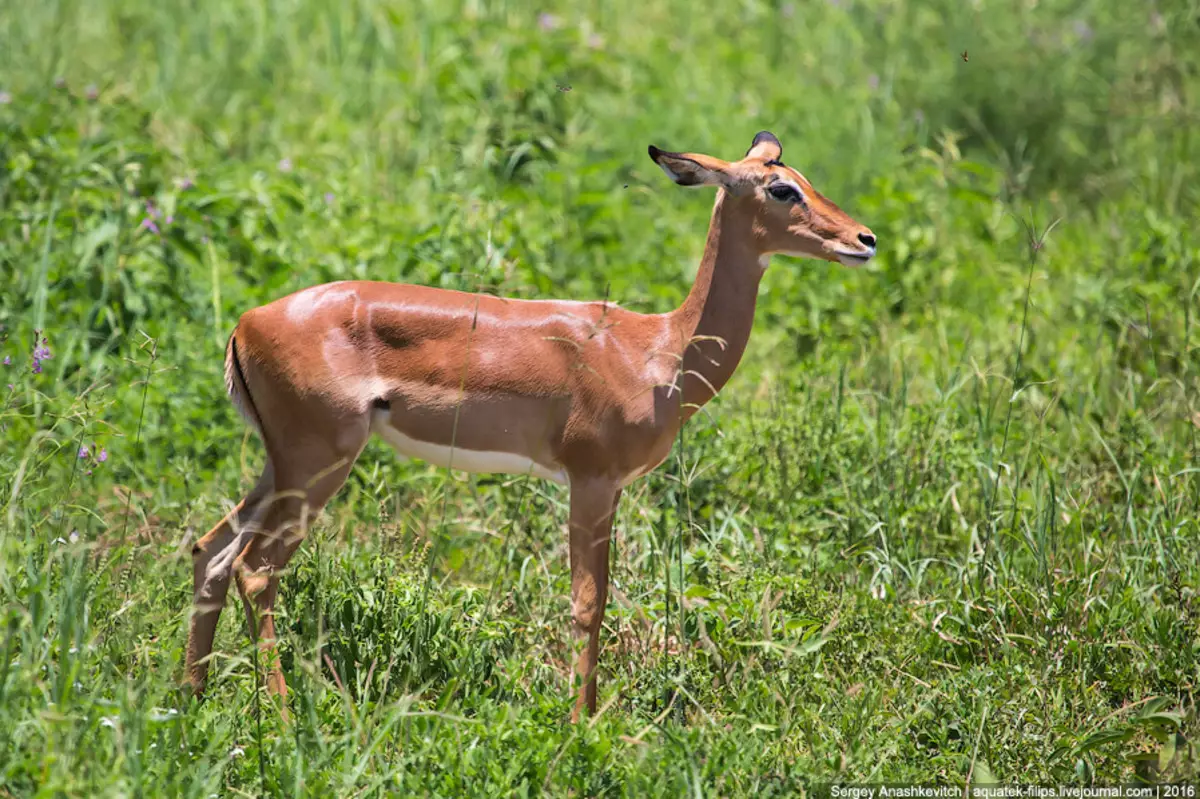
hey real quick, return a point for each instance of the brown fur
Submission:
(587, 389)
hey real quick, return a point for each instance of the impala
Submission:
(586, 394)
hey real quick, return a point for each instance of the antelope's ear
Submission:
(692, 169)
(766, 147)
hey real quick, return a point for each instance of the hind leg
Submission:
(212, 566)
(312, 475)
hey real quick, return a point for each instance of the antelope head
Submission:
(789, 216)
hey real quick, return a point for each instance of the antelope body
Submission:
(586, 394)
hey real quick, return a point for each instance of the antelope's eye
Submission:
(784, 192)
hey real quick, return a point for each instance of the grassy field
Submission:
(941, 526)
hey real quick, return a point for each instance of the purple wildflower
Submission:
(1083, 30)
(83, 452)
(91, 92)
(184, 184)
(547, 22)
(170, 219)
(285, 165)
(595, 41)
(60, 83)
(148, 224)
(151, 211)
(329, 198)
(41, 353)
(873, 82)
(7, 361)
(5, 98)
(102, 455)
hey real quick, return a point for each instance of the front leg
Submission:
(593, 506)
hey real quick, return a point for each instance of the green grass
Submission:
(942, 524)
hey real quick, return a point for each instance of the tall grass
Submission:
(942, 523)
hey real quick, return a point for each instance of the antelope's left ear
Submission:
(766, 147)
(692, 169)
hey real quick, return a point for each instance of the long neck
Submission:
(716, 318)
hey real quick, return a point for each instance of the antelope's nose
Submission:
(867, 239)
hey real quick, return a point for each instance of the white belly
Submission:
(466, 460)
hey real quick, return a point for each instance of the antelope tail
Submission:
(235, 384)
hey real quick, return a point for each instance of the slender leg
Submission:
(268, 552)
(212, 566)
(257, 574)
(593, 504)
(260, 614)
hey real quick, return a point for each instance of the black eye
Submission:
(784, 192)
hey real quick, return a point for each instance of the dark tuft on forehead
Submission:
(774, 162)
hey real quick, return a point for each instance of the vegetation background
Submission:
(942, 526)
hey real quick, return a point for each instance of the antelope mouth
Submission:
(854, 258)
